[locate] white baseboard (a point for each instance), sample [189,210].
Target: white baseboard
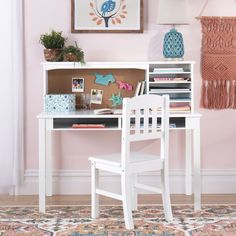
[78,181]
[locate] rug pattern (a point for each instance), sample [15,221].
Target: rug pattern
[218,220]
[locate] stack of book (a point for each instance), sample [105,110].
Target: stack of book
[158,79]
[168,90]
[103,111]
[88,126]
[179,108]
[168,70]
[175,108]
[107,111]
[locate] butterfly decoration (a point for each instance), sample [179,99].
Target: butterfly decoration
[104,79]
[124,85]
[116,99]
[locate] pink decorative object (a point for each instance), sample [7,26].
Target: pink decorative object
[123,85]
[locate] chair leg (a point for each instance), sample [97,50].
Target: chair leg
[134,197]
[126,200]
[166,196]
[94,196]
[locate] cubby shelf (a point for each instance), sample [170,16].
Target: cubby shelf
[175,79]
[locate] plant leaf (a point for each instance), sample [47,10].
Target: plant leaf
[122,16]
[118,20]
[91,14]
[113,21]
[94,18]
[125,12]
[91,4]
[123,8]
[99,22]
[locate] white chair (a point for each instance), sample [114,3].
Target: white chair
[139,122]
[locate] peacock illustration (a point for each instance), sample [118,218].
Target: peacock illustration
[108,6]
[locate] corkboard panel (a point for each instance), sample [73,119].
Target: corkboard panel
[60,82]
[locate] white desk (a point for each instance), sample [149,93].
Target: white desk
[49,122]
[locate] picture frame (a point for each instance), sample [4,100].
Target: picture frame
[96,96]
[77,85]
[107,16]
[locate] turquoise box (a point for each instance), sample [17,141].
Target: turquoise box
[59,102]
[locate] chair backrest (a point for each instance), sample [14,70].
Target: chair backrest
[145,117]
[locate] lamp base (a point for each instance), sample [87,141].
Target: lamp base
[173,46]
[174,59]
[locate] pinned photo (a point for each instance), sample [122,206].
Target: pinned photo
[96,96]
[77,84]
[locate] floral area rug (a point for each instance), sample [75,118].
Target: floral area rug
[212,220]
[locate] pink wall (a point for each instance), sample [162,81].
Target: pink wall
[218,128]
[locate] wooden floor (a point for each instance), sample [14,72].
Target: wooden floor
[85,200]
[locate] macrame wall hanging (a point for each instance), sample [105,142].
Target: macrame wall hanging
[218,62]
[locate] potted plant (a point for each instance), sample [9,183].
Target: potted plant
[73,53]
[53,43]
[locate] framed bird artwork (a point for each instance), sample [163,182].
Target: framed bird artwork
[107,16]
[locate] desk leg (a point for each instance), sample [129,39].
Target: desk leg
[188,162]
[49,159]
[197,165]
[42,165]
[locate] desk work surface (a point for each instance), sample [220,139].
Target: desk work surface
[87,119]
[91,114]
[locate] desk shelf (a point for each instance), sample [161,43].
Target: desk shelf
[66,123]
[87,129]
[174,79]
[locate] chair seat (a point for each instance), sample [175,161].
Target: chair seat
[135,158]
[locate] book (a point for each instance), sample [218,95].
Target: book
[108,111]
[117,111]
[168,69]
[142,88]
[162,79]
[162,90]
[88,126]
[156,79]
[103,111]
[180,108]
[137,90]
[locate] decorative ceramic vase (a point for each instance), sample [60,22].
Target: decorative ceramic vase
[53,54]
[173,46]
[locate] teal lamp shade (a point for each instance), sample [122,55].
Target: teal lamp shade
[173,12]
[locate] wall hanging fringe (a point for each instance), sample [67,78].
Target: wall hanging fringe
[218,61]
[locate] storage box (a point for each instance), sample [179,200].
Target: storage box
[59,103]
